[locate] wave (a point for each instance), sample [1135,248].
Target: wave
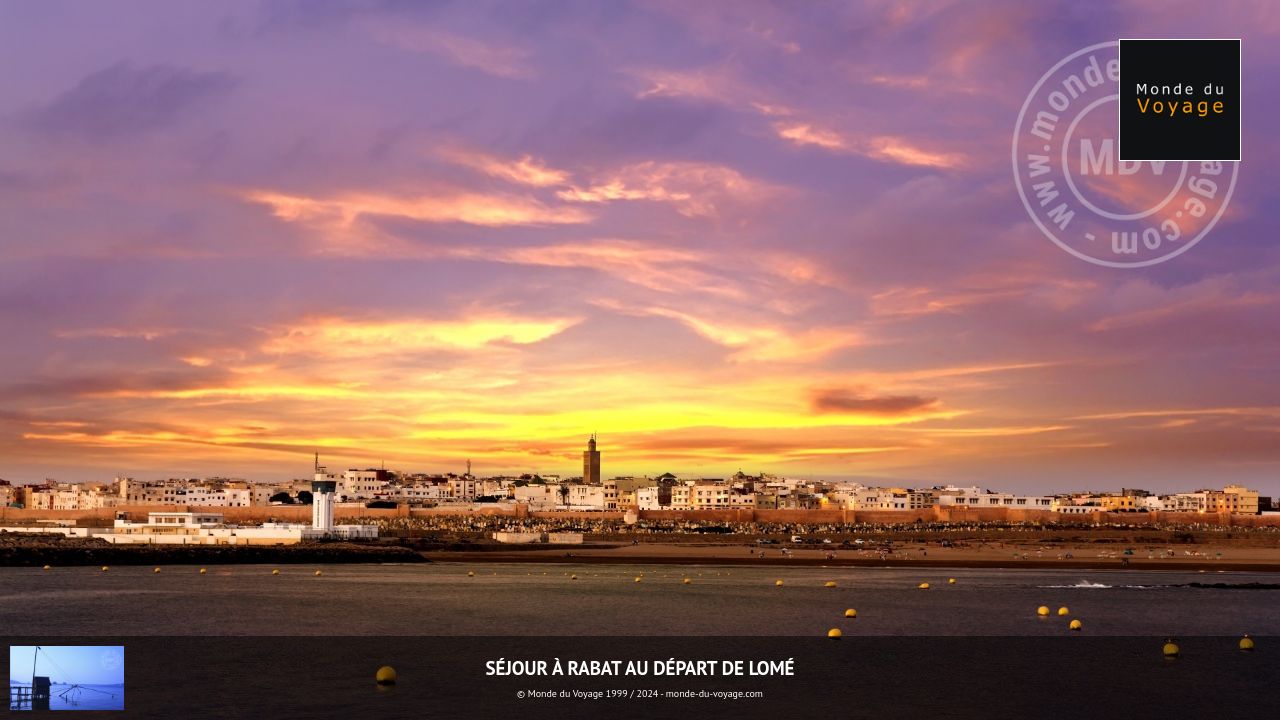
[1083,584]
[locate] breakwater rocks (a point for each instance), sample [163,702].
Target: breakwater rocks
[23,550]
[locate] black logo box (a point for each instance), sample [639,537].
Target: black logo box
[1186,64]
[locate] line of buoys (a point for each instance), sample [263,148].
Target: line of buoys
[1246,643]
[1170,648]
[386,675]
[1063,610]
[834,633]
[1043,611]
[851,613]
[1075,625]
[829,583]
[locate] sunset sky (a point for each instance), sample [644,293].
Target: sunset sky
[780,237]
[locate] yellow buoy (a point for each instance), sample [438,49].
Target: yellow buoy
[687,581]
[386,675]
[105,568]
[1170,649]
[951,581]
[834,633]
[778,583]
[923,586]
[470,574]
[830,584]
[203,571]
[1246,643]
[1076,625]
[573,577]
[156,570]
[638,578]
[47,568]
[1042,611]
[851,613]
[319,573]
[275,572]
[1063,610]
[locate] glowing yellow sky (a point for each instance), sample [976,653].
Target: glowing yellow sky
[718,234]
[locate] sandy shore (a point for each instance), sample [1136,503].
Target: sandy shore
[1207,557]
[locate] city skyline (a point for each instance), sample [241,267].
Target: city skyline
[593,474]
[736,236]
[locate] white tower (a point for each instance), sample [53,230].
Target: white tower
[322,490]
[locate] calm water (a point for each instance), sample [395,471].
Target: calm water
[83,697]
[529,599]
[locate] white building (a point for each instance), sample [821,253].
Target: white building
[975,497]
[682,496]
[205,528]
[464,487]
[361,484]
[419,492]
[647,498]
[586,497]
[538,496]
[718,496]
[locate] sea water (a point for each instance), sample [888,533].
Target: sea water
[605,600]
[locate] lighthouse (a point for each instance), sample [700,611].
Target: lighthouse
[322,489]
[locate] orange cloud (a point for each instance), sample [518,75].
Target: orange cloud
[764,343]
[805,134]
[903,152]
[886,148]
[525,170]
[460,207]
[695,189]
[338,337]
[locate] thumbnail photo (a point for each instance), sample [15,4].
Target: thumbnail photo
[66,677]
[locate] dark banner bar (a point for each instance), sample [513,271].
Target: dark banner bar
[629,677]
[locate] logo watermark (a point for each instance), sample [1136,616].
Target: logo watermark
[1082,196]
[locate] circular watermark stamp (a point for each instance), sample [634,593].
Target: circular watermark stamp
[1082,196]
[111,658]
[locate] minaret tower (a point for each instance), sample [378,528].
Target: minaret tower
[591,463]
